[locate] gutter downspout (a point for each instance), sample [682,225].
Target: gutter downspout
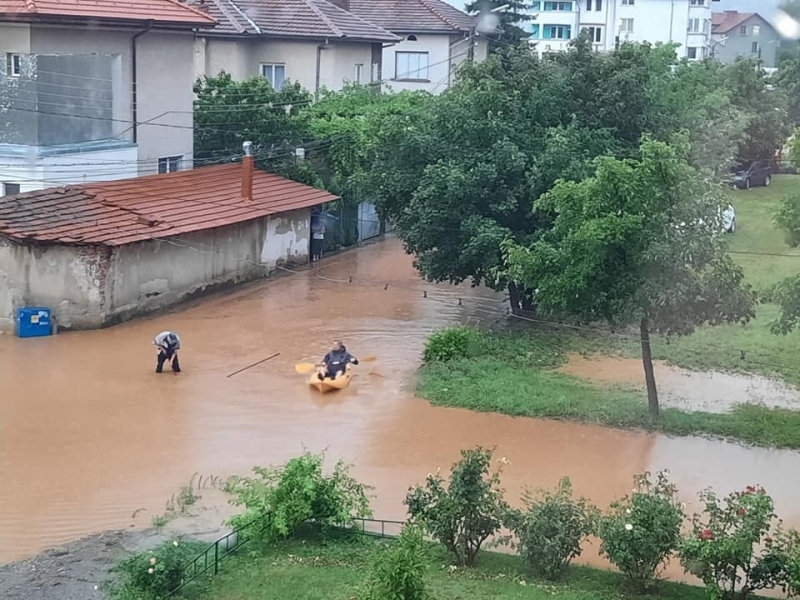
[134,81]
[320,48]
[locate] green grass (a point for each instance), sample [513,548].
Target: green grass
[312,571]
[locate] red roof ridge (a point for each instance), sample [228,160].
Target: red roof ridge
[436,12]
[313,6]
[30,5]
[187,6]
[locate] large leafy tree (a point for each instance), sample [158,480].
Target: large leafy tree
[637,243]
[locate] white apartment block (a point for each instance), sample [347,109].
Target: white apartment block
[609,22]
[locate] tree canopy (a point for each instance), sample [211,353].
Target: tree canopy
[504,28]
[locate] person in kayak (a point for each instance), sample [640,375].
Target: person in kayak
[335,361]
[167,344]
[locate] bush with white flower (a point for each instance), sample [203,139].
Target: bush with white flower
[152,574]
[640,532]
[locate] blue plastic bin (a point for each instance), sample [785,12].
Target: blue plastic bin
[34,322]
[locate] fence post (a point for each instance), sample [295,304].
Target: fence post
[216,557]
[383,531]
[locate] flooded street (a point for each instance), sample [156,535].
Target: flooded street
[89,434]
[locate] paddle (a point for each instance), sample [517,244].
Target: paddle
[308,367]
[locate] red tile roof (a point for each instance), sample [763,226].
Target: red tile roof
[413,16]
[170,12]
[723,22]
[308,19]
[157,206]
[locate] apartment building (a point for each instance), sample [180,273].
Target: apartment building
[613,22]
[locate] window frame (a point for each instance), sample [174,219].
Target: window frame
[13,64]
[755,47]
[168,162]
[593,31]
[689,50]
[743,30]
[701,3]
[628,2]
[272,66]
[624,20]
[694,25]
[419,72]
[6,184]
[359,71]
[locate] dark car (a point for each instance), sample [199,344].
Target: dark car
[757,173]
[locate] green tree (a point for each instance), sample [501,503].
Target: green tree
[228,112]
[637,243]
[788,80]
[504,28]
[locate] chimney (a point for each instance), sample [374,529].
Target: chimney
[343,4]
[247,172]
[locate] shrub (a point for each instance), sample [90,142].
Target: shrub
[152,574]
[551,529]
[287,497]
[449,344]
[788,219]
[398,572]
[723,547]
[467,512]
[786,545]
[639,532]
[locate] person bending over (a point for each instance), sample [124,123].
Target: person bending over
[335,362]
[167,345]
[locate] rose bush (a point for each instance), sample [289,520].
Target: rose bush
[640,532]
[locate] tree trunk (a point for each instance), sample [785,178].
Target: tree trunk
[514,298]
[649,375]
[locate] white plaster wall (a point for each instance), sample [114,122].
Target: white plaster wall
[214,55]
[15,38]
[286,239]
[438,48]
[66,279]
[342,59]
[37,173]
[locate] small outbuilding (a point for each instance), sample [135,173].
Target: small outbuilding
[100,253]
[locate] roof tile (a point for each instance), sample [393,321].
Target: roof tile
[309,19]
[170,12]
[723,22]
[120,212]
[413,16]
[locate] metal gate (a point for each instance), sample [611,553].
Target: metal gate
[369,223]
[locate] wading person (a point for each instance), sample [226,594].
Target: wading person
[335,361]
[167,344]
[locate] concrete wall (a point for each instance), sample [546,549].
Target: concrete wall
[87,287]
[439,62]
[67,279]
[736,44]
[243,60]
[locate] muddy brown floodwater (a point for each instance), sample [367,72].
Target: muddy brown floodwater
[89,433]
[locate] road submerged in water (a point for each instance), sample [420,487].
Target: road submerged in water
[90,435]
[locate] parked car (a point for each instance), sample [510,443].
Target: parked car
[729,219]
[757,173]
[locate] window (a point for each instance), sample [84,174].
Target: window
[359,71]
[598,4]
[411,38]
[595,34]
[411,65]
[694,26]
[169,164]
[754,48]
[536,5]
[691,53]
[626,25]
[10,189]
[376,72]
[557,32]
[558,6]
[275,74]
[697,2]
[535,31]
[706,26]
[756,29]
[13,65]
[628,2]
[743,30]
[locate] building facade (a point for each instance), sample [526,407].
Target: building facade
[317,43]
[87,95]
[100,253]
[613,22]
[744,35]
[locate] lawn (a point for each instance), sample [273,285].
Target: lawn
[336,571]
[515,373]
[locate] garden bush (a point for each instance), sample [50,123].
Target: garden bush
[284,498]
[787,546]
[730,548]
[450,344]
[551,529]
[465,513]
[398,572]
[152,574]
[641,531]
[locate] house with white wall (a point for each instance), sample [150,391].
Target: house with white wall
[94,91]
[435,39]
[613,22]
[317,43]
[744,35]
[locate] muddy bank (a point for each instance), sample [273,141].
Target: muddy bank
[691,391]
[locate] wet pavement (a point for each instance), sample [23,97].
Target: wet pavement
[89,433]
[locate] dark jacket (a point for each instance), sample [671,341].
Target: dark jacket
[339,357]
